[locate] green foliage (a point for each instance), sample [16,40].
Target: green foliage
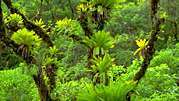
[46,56]
[102,65]
[163,97]
[69,90]
[112,26]
[157,80]
[158,85]
[101,40]
[167,56]
[40,23]
[14,19]
[124,49]
[114,92]
[68,27]
[95,5]
[130,19]
[131,70]
[25,37]
[105,3]
[82,8]
[7,60]
[17,86]
[115,72]
[157,97]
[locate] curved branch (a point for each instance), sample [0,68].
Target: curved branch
[149,51]
[28,24]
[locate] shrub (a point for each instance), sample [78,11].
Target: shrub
[17,86]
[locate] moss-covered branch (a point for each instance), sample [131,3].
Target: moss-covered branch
[28,24]
[150,48]
[149,51]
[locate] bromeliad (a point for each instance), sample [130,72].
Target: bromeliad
[141,44]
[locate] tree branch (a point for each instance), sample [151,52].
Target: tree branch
[28,24]
[149,51]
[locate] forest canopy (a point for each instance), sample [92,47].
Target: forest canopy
[89,50]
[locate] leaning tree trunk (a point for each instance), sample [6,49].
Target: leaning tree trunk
[150,49]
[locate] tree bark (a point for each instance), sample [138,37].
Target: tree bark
[153,10]
[42,87]
[149,50]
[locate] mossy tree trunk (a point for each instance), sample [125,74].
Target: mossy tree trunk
[150,48]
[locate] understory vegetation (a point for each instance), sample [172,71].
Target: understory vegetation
[89,50]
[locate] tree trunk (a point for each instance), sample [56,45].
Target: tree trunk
[42,87]
[149,50]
